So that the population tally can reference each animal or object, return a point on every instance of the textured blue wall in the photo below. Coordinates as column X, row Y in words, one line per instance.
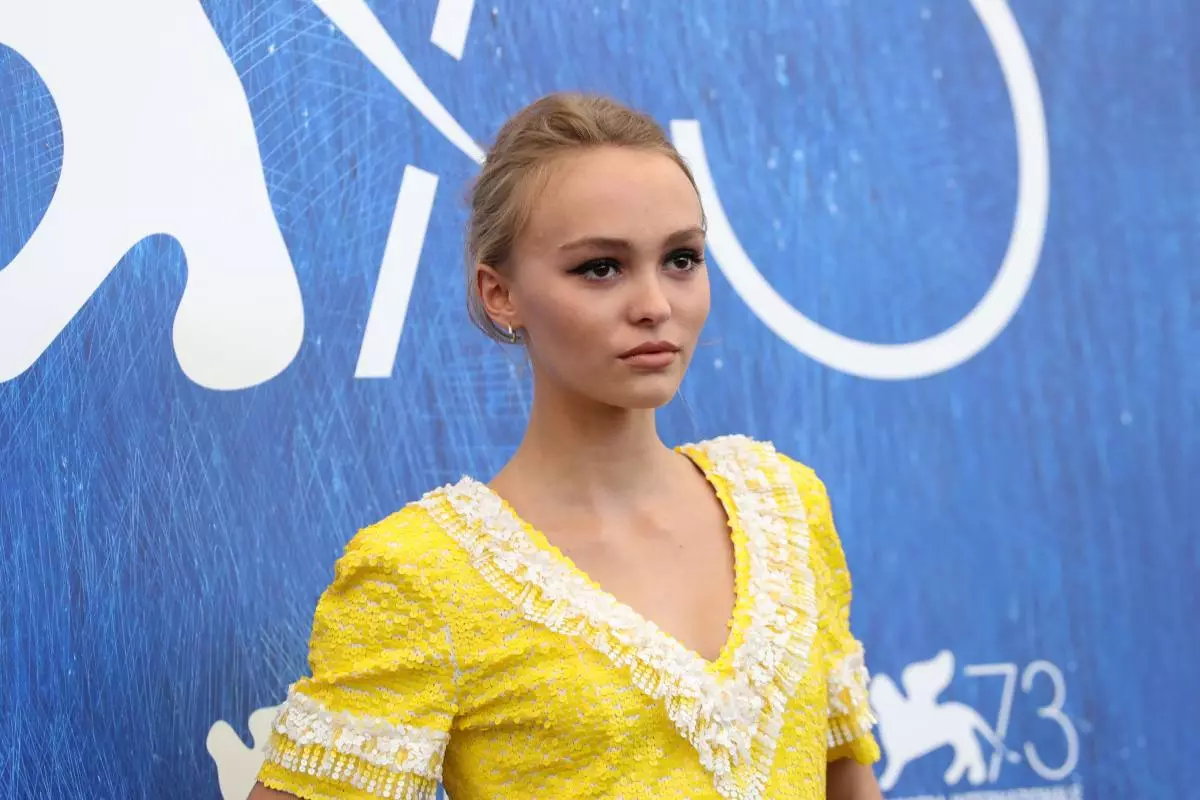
column 162, row 545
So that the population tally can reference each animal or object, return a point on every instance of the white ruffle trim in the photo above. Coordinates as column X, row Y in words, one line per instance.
column 850, row 714
column 367, row 752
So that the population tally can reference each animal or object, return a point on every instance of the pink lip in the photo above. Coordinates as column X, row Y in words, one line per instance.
column 657, row 360
column 651, row 355
column 651, row 348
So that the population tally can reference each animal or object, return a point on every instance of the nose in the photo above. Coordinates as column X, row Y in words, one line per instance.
column 649, row 304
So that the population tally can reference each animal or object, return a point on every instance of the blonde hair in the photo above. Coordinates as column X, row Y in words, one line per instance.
column 518, row 161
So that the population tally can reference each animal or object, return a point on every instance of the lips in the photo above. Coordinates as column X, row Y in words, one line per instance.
column 650, row 348
column 651, row 356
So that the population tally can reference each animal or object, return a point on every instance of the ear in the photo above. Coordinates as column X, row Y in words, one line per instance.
column 495, row 292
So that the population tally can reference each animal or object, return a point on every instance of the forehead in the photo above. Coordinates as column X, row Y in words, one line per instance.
column 617, row 192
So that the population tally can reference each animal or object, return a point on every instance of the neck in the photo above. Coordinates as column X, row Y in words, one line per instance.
column 586, row 453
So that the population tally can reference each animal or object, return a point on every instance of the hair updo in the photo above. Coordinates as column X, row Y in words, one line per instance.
column 518, row 163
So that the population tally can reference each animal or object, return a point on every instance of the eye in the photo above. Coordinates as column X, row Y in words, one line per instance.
column 599, row 269
column 684, row 260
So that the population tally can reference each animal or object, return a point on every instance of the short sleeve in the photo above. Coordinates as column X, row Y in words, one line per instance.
column 844, row 662
column 373, row 720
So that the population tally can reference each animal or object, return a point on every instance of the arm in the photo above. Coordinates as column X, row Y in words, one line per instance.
column 260, row 792
column 846, row 779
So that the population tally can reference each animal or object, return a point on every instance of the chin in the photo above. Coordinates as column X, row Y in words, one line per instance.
column 645, row 394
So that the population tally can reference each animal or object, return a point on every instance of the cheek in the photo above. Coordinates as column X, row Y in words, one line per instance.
column 568, row 321
column 694, row 303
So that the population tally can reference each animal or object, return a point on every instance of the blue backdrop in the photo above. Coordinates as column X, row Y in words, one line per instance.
column 176, row 481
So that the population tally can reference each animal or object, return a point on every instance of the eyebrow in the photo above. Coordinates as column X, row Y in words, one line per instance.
column 610, row 242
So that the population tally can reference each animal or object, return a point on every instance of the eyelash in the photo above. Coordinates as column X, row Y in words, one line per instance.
column 696, row 259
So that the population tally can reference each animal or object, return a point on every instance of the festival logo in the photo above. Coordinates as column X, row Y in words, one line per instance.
column 191, row 168
column 238, row 765
column 915, row 723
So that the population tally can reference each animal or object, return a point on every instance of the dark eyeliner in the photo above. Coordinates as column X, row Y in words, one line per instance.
column 588, row 266
column 696, row 257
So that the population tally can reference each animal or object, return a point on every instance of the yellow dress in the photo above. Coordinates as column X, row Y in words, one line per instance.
column 456, row 644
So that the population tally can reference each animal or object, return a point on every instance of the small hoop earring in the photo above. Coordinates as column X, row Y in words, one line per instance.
column 513, row 336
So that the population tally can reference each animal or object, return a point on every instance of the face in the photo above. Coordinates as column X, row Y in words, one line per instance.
column 608, row 281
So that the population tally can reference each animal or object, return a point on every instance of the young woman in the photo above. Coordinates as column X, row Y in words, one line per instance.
column 609, row 617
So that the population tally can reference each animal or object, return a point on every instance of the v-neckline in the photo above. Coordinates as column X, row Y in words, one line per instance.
column 733, row 528
column 731, row 710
